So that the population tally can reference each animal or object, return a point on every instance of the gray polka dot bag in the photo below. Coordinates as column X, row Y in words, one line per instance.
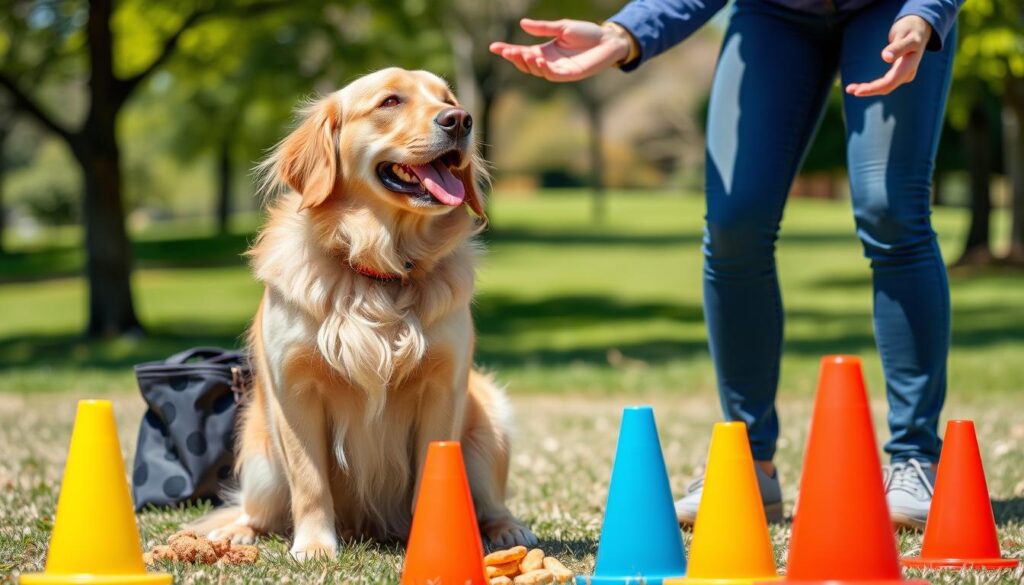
column 185, row 450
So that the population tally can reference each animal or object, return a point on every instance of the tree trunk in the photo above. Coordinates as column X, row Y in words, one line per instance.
column 109, row 265
column 224, row 181
column 1015, row 167
column 977, row 139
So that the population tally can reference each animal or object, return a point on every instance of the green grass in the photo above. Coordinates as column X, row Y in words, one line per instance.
column 563, row 305
column 578, row 319
column 561, row 465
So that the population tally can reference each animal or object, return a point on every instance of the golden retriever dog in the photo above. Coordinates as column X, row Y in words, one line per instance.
column 363, row 341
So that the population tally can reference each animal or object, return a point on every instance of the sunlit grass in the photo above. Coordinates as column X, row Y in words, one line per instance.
column 561, row 463
column 578, row 319
column 563, row 306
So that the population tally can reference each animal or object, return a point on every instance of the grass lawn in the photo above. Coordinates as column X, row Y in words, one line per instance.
column 563, row 305
column 561, row 464
column 578, row 319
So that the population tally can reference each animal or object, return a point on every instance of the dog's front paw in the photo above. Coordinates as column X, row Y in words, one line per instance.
column 239, row 533
column 308, row 547
column 507, row 531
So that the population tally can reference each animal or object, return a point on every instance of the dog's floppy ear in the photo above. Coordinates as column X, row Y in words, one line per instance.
column 307, row 160
column 472, row 176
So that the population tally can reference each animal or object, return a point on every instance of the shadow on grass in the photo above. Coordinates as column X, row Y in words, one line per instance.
column 67, row 261
column 501, row 316
column 957, row 277
column 553, row 236
column 227, row 249
column 575, row 548
column 73, row 351
column 1008, row 511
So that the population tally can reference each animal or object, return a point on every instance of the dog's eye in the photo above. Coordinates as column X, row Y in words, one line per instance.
column 390, row 101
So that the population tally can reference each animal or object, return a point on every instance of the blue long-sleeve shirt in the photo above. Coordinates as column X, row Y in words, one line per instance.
column 659, row 25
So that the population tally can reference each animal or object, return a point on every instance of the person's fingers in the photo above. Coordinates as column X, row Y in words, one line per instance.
column 498, row 47
column 555, row 71
column 531, row 64
column 520, row 49
column 546, row 69
column 542, row 28
column 900, row 47
column 516, row 59
column 876, row 87
column 901, row 72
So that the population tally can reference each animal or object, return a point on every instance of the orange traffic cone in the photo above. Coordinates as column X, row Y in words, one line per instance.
column 961, row 530
column 842, row 531
column 95, row 539
column 444, row 543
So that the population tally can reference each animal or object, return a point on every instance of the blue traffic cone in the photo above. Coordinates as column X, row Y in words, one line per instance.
column 640, row 539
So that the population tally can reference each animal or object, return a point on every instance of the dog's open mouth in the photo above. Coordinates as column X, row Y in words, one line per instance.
column 432, row 181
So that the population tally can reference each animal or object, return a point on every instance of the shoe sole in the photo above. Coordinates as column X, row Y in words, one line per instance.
column 772, row 513
column 902, row 521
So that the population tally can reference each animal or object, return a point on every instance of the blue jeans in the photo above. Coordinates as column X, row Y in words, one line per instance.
column 774, row 73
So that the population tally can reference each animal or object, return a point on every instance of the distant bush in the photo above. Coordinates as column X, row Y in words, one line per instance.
column 55, row 207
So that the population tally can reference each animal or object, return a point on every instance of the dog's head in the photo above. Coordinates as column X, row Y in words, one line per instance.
column 395, row 135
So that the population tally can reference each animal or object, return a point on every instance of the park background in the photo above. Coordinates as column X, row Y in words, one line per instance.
column 128, row 130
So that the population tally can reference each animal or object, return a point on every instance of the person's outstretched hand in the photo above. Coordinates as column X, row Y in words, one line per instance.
column 578, row 50
column 908, row 39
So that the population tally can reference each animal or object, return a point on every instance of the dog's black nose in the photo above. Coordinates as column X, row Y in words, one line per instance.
column 455, row 121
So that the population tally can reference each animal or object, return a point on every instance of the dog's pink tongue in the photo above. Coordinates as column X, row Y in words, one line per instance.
column 441, row 183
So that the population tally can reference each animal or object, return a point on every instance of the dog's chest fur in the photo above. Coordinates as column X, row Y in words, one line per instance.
column 375, row 354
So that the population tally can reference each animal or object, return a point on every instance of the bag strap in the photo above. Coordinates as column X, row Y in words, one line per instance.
column 240, row 384
column 206, row 354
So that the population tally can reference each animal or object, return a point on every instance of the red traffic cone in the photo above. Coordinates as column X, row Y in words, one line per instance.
column 961, row 530
column 842, row 532
column 444, row 543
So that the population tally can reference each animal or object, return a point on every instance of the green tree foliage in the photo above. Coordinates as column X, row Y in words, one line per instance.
column 990, row 68
column 73, row 66
column 101, row 55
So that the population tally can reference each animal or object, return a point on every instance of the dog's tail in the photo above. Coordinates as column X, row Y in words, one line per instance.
column 215, row 520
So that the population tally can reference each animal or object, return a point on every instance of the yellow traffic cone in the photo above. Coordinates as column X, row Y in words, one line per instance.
column 95, row 540
column 731, row 545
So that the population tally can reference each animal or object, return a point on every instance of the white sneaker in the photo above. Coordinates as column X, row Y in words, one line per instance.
column 771, row 497
column 908, row 490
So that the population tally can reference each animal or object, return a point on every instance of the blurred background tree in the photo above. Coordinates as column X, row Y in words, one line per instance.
column 65, row 45
column 68, row 44
column 122, row 113
column 987, row 103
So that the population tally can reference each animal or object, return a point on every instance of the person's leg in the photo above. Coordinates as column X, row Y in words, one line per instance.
column 770, row 85
column 892, row 141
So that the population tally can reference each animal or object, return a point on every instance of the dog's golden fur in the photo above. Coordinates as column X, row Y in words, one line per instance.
column 355, row 374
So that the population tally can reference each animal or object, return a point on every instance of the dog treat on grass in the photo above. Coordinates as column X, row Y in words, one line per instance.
column 240, row 554
column 501, row 557
column 521, row 567
column 188, row 547
column 532, row 561
column 561, row 573
column 160, row 552
column 221, row 547
column 536, row 577
column 505, row 570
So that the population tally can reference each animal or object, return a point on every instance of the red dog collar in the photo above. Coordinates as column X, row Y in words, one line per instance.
column 374, row 274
